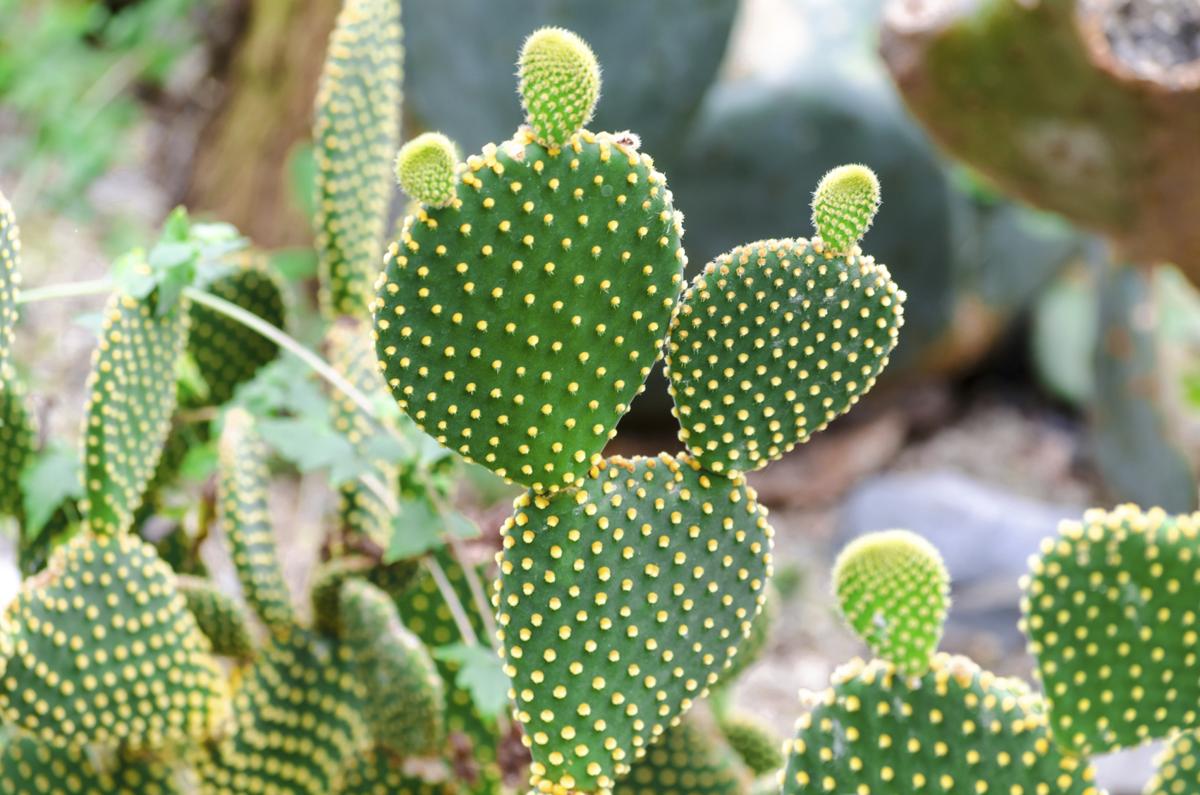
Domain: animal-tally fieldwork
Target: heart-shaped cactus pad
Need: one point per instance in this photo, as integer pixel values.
(620, 603)
(772, 342)
(516, 324)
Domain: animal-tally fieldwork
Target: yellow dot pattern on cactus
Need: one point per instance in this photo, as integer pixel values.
(132, 399)
(893, 590)
(690, 759)
(356, 133)
(376, 772)
(104, 650)
(758, 747)
(772, 342)
(516, 325)
(30, 767)
(956, 729)
(425, 169)
(560, 84)
(619, 605)
(1110, 611)
(10, 280)
(844, 205)
(1177, 767)
(219, 617)
(16, 443)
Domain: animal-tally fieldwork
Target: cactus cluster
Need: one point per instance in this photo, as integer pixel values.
(530, 293)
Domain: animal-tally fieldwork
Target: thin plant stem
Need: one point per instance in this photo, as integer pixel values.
(448, 593)
(67, 290)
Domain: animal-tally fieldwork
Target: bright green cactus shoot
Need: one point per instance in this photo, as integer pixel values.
(844, 205)
(893, 589)
(425, 169)
(560, 84)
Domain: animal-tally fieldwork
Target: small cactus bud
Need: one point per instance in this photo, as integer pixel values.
(892, 588)
(844, 206)
(560, 84)
(425, 169)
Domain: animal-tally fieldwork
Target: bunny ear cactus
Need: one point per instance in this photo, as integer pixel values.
(1109, 614)
(29, 767)
(219, 617)
(16, 442)
(755, 744)
(1177, 767)
(10, 279)
(690, 759)
(356, 131)
(777, 338)
(516, 323)
(560, 85)
(377, 773)
(893, 589)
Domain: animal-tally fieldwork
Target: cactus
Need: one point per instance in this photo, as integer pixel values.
(356, 131)
(1107, 613)
(10, 279)
(425, 169)
(844, 206)
(690, 759)
(16, 442)
(219, 617)
(377, 774)
(756, 745)
(28, 767)
(762, 311)
(1176, 768)
(893, 589)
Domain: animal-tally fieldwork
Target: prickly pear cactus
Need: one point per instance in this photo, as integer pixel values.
(356, 132)
(377, 773)
(560, 85)
(218, 616)
(29, 767)
(10, 279)
(690, 759)
(620, 604)
(133, 394)
(844, 206)
(776, 339)
(953, 729)
(516, 324)
(1177, 767)
(893, 589)
(87, 663)
(755, 744)
(16, 442)
(1109, 617)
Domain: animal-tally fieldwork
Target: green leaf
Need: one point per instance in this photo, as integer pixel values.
(311, 443)
(461, 526)
(294, 264)
(480, 674)
(53, 477)
(416, 528)
(199, 463)
(132, 275)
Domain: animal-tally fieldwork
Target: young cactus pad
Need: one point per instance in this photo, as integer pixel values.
(104, 650)
(893, 589)
(560, 84)
(619, 606)
(10, 279)
(956, 729)
(756, 744)
(425, 169)
(772, 342)
(1110, 613)
(844, 206)
(516, 324)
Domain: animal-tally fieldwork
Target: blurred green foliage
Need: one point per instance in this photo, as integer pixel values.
(68, 74)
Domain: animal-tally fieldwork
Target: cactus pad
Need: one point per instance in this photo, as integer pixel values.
(242, 481)
(560, 84)
(516, 325)
(773, 341)
(1177, 767)
(757, 745)
(375, 772)
(356, 132)
(425, 169)
(10, 279)
(405, 711)
(956, 729)
(132, 386)
(29, 767)
(104, 650)
(1109, 613)
(16, 442)
(619, 605)
(893, 590)
(844, 206)
(690, 759)
(299, 722)
(218, 616)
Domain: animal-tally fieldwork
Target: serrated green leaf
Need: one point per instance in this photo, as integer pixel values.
(480, 673)
(416, 528)
(54, 476)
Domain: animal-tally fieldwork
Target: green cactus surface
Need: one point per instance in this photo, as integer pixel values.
(218, 616)
(29, 767)
(299, 721)
(754, 743)
(10, 279)
(619, 605)
(244, 515)
(356, 133)
(560, 85)
(690, 759)
(956, 729)
(893, 590)
(104, 650)
(772, 342)
(425, 169)
(1177, 767)
(132, 397)
(516, 325)
(1109, 614)
(844, 206)
(755, 643)
(375, 772)
(16, 442)
(405, 710)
